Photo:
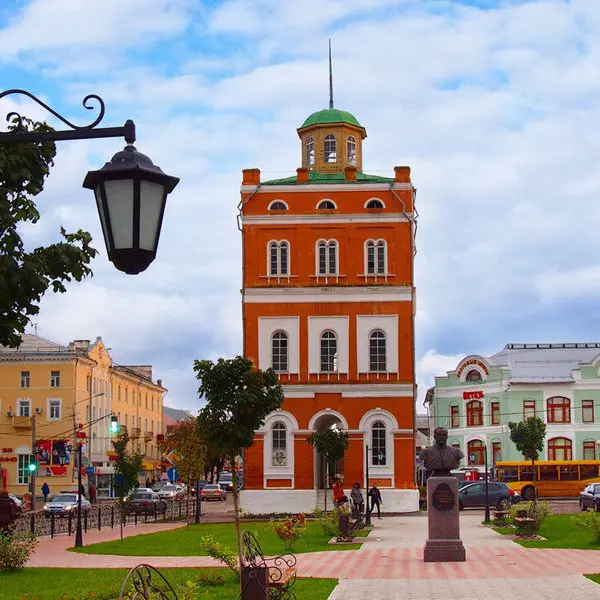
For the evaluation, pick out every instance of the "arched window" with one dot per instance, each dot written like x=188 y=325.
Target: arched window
x=279 y=351
x=374 y=204
x=310 y=151
x=326 y=205
x=475 y=450
x=473 y=375
x=279 y=445
x=376 y=257
x=474 y=413
x=377 y=351
x=327 y=257
x=351 y=149
x=279 y=259
x=559 y=410
x=328 y=352
x=330 y=148
x=560 y=449
x=278 y=205
x=378 y=444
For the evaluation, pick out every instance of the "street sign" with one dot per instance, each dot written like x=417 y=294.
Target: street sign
x=172 y=474
x=89 y=470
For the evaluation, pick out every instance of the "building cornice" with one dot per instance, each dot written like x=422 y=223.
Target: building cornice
x=349 y=390
x=326 y=218
x=367 y=293
x=325 y=187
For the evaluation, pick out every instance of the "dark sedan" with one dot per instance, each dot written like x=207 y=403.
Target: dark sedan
x=146 y=503
x=500 y=495
x=590 y=497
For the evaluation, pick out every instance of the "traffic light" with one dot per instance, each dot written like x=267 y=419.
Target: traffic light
x=33 y=465
x=114 y=425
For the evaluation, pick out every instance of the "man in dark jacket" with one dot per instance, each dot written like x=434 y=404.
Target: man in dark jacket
x=9 y=512
x=375 y=496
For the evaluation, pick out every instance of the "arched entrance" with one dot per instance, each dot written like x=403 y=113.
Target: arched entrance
x=323 y=422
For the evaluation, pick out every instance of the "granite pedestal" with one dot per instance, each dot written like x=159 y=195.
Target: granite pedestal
x=444 y=543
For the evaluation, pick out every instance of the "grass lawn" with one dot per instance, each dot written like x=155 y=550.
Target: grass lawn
x=594 y=578
x=185 y=541
x=560 y=532
x=104 y=584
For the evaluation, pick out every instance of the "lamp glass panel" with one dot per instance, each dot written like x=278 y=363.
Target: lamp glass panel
x=151 y=201
x=119 y=196
x=98 y=195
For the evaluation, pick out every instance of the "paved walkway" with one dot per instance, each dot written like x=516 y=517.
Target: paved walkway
x=390 y=564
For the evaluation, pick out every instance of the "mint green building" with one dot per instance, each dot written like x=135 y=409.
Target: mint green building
x=560 y=383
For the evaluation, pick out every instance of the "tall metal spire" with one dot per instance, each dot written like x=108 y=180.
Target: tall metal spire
x=330 y=78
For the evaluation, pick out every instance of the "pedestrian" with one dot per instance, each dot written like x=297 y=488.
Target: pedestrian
x=357 y=497
x=339 y=498
x=9 y=512
x=375 y=496
x=92 y=492
x=82 y=491
x=147 y=482
x=45 y=491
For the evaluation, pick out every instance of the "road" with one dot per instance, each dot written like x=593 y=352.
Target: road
x=564 y=506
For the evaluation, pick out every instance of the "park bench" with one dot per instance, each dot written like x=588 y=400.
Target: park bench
x=525 y=525
x=263 y=578
x=500 y=516
x=148 y=584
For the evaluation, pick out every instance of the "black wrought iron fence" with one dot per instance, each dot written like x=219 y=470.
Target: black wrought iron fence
x=102 y=515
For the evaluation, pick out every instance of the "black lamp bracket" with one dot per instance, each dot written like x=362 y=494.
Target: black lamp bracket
x=79 y=132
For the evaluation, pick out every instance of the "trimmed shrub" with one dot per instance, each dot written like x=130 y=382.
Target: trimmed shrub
x=589 y=521
x=15 y=550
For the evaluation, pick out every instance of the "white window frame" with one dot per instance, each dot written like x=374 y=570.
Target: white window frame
x=273 y=202
x=335 y=360
x=283 y=427
x=327 y=245
x=367 y=421
x=287 y=351
x=54 y=379
x=282 y=472
x=329 y=139
x=278 y=245
x=23 y=473
x=372 y=430
x=26 y=378
x=385 y=338
x=309 y=151
x=366 y=204
x=49 y=404
x=21 y=403
x=351 y=155
x=376 y=244
x=322 y=201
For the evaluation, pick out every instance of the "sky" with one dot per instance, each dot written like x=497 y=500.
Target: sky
x=495 y=106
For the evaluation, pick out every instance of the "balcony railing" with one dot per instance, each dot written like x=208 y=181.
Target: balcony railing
x=135 y=433
x=148 y=436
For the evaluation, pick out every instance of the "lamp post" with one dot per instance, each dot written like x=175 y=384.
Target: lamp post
x=78 y=531
x=131 y=191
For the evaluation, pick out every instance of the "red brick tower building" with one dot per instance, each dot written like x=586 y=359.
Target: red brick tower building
x=328 y=301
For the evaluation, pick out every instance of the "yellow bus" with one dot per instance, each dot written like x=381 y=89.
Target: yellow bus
x=553 y=478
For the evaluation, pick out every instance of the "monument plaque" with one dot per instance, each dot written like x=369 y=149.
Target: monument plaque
x=443 y=543
x=443 y=498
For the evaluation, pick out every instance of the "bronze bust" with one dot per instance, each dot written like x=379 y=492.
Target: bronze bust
x=441 y=458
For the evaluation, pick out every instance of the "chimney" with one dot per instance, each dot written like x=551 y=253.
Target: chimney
x=82 y=345
x=402 y=174
x=350 y=173
x=250 y=176
x=159 y=382
x=302 y=175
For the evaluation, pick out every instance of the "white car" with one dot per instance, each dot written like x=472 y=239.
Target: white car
x=171 y=492
x=66 y=504
x=18 y=502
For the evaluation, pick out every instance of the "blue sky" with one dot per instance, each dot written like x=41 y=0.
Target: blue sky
x=494 y=105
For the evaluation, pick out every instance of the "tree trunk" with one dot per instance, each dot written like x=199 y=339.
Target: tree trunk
x=326 y=482
x=187 y=506
x=121 y=518
x=236 y=511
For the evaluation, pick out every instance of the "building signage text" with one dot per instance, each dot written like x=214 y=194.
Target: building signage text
x=473 y=395
x=473 y=361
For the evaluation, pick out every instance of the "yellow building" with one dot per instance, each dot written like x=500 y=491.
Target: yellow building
x=53 y=397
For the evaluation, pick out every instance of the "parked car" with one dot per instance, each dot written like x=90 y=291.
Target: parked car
x=201 y=484
x=500 y=495
x=226 y=481
x=171 y=492
x=65 y=504
x=213 y=491
x=16 y=500
x=147 y=502
x=589 y=497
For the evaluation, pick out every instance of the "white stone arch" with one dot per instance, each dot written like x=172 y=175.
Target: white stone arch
x=366 y=426
x=374 y=199
x=335 y=206
x=291 y=426
x=269 y=207
x=329 y=412
x=377 y=414
x=286 y=417
x=473 y=362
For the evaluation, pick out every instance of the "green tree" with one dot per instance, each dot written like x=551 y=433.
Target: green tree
x=529 y=437
x=238 y=399
x=127 y=470
x=331 y=444
x=189 y=454
x=26 y=276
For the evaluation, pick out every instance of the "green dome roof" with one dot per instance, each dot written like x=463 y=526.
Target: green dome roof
x=331 y=115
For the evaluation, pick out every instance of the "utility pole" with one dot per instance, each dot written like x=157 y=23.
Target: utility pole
x=33 y=473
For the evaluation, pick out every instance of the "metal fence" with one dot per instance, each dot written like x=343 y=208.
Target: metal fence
x=101 y=515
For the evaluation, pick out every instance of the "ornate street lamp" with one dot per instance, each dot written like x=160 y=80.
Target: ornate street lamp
x=131 y=193
x=130 y=190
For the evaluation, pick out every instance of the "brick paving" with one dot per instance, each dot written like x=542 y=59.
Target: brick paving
x=390 y=564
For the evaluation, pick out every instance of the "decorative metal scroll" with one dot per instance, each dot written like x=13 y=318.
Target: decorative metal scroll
x=85 y=103
x=266 y=577
x=145 y=587
x=90 y=102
